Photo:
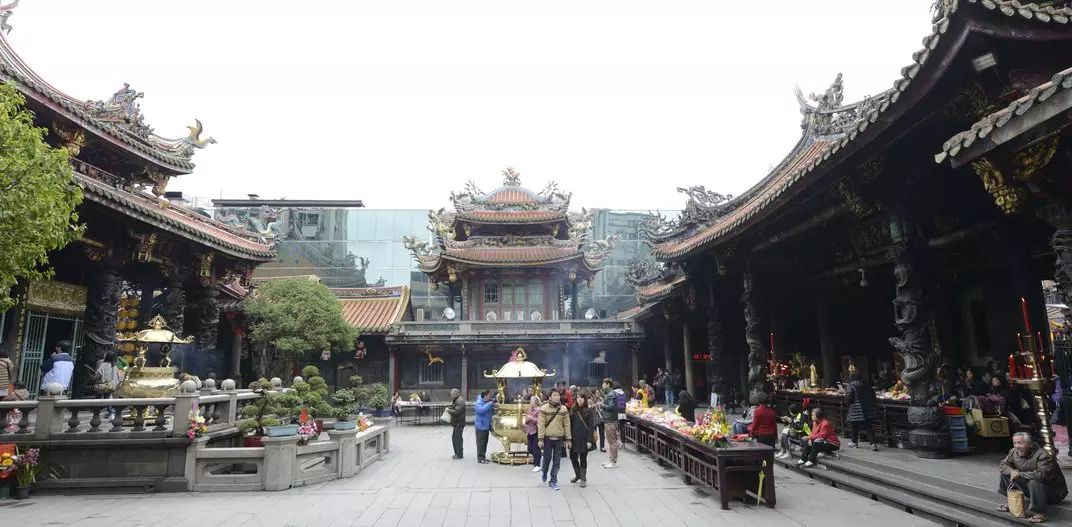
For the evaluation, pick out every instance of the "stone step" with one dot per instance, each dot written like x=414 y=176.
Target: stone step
x=980 y=498
x=946 y=511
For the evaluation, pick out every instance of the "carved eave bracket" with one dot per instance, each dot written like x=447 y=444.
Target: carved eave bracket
x=1008 y=180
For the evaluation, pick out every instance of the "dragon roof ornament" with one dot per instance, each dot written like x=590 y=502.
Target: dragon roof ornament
x=422 y=251
x=511 y=197
x=829 y=115
x=640 y=272
x=6 y=11
x=599 y=250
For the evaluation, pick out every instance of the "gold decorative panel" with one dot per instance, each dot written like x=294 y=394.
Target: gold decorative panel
x=56 y=297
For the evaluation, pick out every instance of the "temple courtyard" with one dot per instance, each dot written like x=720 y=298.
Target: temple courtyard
x=418 y=484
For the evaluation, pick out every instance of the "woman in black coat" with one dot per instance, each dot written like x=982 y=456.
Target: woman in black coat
x=582 y=428
x=862 y=405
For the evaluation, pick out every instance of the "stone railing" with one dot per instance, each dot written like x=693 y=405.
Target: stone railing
x=281 y=464
x=55 y=417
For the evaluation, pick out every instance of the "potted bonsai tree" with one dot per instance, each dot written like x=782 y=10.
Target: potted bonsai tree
x=262 y=418
x=345 y=406
x=379 y=398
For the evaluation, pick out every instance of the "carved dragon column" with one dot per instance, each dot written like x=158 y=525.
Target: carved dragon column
x=102 y=304
x=930 y=437
x=757 y=352
x=175 y=297
x=207 y=310
x=1058 y=213
x=716 y=373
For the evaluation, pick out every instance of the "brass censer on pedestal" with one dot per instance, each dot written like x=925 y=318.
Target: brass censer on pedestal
x=142 y=380
x=508 y=422
x=1037 y=375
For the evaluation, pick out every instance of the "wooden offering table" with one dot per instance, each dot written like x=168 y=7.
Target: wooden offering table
x=734 y=472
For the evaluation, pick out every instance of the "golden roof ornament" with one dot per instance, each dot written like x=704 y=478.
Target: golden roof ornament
x=157 y=333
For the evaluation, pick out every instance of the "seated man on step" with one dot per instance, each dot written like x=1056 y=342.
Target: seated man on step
x=1030 y=469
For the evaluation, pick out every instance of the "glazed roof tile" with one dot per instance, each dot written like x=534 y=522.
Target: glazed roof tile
x=1061 y=81
x=512 y=216
x=637 y=312
x=803 y=161
x=175 y=219
x=513 y=255
x=654 y=292
x=373 y=309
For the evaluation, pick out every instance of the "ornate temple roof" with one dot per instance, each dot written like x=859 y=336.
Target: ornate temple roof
x=511 y=203
x=117 y=120
x=654 y=281
x=566 y=241
x=373 y=309
x=1031 y=104
x=186 y=223
x=831 y=129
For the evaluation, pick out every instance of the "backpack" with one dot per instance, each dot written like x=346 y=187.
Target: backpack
x=619 y=401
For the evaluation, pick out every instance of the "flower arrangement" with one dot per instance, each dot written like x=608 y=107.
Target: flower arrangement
x=711 y=429
x=363 y=422
x=197 y=426
x=307 y=429
x=28 y=466
x=899 y=391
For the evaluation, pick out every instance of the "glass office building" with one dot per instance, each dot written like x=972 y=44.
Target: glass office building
x=347 y=245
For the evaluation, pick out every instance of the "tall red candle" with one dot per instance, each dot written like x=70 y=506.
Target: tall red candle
x=1027 y=321
x=772 y=352
x=1020 y=342
x=1012 y=366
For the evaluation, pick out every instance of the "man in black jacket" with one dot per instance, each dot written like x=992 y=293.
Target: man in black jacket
x=457 y=420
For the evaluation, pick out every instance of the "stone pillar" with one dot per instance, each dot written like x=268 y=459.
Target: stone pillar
x=827 y=353
x=575 y=305
x=716 y=365
x=236 y=352
x=280 y=455
x=207 y=332
x=686 y=344
x=565 y=364
x=634 y=366
x=145 y=309
x=392 y=371
x=668 y=346
x=465 y=374
x=757 y=352
x=930 y=438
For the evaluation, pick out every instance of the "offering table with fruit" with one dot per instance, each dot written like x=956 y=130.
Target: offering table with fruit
x=703 y=453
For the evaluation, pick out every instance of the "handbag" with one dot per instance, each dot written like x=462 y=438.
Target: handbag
x=1016 y=500
x=446 y=417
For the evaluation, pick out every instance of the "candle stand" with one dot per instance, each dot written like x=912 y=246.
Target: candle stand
x=1041 y=385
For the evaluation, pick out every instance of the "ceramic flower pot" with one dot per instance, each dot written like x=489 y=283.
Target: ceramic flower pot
x=253 y=442
x=345 y=425
x=22 y=493
x=5 y=490
x=281 y=431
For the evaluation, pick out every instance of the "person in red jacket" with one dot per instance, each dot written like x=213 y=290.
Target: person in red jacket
x=823 y=438
x=764 y=426
x=567 y=395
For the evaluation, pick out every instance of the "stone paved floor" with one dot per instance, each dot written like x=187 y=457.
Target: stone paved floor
x=418 y=484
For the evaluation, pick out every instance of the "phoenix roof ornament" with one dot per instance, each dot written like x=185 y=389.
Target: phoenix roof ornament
x=511 y=178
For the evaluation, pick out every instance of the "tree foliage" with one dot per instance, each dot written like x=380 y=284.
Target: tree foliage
x=38 y=197
x=293 y=318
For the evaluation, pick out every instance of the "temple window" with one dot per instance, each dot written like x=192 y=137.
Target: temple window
x=431 y=374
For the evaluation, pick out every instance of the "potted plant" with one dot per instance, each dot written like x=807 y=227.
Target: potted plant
x=265 y=413
x=29 y=466
x=379 y=399
x=344 y=419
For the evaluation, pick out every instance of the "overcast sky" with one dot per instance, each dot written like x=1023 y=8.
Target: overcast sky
x=399 y=102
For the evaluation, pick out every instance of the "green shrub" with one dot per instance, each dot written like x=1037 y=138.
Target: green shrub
x=379 y=397
x=342 y=414
x=356 y=381
x=310 y=371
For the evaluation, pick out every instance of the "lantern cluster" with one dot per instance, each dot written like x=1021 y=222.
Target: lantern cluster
x=126 y=322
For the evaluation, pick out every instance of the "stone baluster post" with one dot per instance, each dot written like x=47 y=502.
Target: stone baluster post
x=49 y=416
x=184 y=403
x=348 y=463
x=229 y=409
x=280 y=455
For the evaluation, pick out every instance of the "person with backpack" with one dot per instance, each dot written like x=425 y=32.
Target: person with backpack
x=862 y=406
x=613 y=396
x=798 y=427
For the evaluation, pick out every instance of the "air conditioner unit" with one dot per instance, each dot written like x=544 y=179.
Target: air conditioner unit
x=419 y=315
